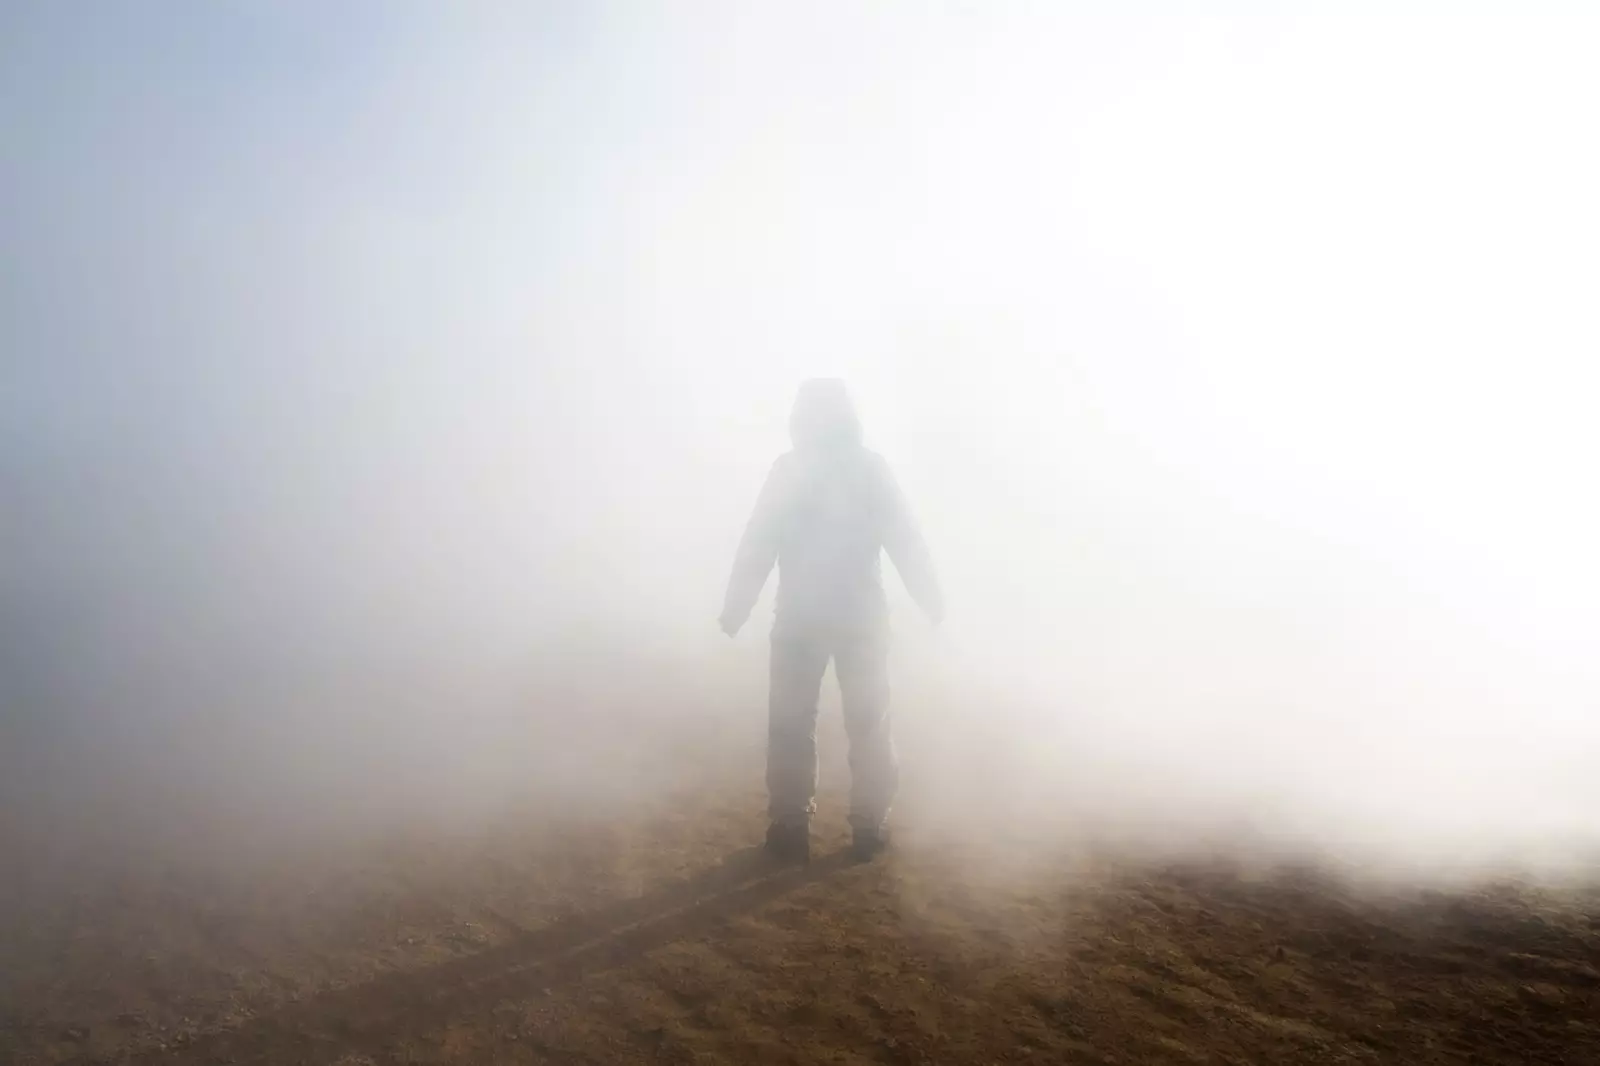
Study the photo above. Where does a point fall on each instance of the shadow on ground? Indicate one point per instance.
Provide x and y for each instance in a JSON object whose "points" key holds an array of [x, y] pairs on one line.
{"points": [[376, 1016]]}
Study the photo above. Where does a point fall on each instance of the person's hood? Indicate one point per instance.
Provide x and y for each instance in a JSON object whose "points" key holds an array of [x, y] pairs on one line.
{"points": [[824, 416]]}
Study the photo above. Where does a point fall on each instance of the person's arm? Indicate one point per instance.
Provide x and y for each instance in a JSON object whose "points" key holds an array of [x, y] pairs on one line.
{"points": [[902, 539], [758, 551]]}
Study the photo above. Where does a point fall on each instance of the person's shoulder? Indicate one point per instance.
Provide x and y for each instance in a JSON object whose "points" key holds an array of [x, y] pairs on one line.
{"points": [[873, 474], [784, 468], [873, 458], [876, 464]]}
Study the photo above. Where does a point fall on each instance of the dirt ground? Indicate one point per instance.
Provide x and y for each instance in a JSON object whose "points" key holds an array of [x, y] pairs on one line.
{"points": [[662, 936]]}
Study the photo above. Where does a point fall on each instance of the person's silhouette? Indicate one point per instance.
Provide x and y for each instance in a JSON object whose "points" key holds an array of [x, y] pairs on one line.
{"points": [[828, 510]]}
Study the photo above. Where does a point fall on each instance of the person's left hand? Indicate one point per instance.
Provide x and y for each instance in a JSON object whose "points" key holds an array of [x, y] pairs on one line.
{"points": [[728, 625]]}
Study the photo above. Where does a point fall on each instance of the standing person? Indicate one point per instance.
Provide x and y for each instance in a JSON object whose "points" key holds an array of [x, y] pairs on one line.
{"points": [[829, 508]]}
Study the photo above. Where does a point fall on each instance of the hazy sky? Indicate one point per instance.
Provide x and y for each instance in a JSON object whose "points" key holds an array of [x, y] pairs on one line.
{"points": [[1241, 368]]}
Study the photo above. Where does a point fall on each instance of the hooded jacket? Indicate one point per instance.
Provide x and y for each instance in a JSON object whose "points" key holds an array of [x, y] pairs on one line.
{"points": [[827, 512]]}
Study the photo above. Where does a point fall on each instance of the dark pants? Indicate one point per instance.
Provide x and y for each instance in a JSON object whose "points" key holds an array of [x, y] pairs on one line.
{"points": [[860, 662]]}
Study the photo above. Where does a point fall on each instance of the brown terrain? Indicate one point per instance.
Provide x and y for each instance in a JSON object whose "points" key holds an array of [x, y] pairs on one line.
{"points": [[657, 934]]}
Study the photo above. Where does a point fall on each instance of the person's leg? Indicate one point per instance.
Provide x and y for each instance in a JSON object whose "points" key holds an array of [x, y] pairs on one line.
{"points": [[798, 662], [862, 662]]}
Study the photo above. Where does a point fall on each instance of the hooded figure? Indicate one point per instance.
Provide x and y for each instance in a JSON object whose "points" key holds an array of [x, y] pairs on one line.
{"points": [[827, 512]]}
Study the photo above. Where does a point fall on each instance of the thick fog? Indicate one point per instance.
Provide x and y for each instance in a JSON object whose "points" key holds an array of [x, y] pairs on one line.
{"points": [[384, 388]]}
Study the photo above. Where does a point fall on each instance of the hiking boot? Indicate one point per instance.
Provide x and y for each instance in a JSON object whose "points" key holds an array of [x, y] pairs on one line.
{"points": [[867, 844], [789, 843]]}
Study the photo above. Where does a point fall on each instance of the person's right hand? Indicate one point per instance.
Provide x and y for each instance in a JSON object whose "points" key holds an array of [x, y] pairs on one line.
{"points": [[729, 626]]}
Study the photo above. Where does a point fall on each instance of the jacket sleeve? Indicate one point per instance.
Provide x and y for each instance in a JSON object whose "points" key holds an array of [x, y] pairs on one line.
{"points": [[758, 551], [909, 552]]}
